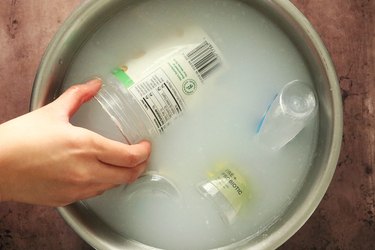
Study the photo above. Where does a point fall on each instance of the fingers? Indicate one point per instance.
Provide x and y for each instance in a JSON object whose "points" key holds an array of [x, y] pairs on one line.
{"points": [[100, 178], [120, 163], [122, 155], [70, 101], [113, 175]]}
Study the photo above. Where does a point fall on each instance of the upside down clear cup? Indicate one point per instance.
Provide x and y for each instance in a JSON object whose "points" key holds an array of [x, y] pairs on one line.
{"points": [[152, 183], [291, 110]]}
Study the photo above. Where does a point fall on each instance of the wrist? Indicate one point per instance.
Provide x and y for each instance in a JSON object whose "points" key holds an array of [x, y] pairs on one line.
{"points": [[2, 196], [3, 174]]}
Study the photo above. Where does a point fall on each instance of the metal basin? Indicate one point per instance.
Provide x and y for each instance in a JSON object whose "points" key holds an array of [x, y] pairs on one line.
{"points": [[92, 14]]}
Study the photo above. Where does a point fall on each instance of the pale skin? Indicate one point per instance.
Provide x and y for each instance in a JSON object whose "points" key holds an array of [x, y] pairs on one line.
{"points": [[45, 160]]}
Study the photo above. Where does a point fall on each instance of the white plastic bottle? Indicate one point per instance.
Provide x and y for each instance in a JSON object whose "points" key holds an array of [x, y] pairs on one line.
{"points": [[145, 95], [291, 110]]}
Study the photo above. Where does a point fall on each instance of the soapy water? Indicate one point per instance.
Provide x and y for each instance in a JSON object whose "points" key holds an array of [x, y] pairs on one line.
{"points": [[221, 126]]}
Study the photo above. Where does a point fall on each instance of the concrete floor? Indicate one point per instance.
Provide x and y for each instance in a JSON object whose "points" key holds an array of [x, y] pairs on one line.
{"points": [[345, 219]]}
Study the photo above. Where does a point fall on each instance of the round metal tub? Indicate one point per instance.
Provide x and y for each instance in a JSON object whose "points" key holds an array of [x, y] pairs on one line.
{"points": [[92, 14]]}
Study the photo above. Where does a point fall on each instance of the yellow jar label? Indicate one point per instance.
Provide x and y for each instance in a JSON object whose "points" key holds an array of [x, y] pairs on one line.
{"points": [[231, 183]]}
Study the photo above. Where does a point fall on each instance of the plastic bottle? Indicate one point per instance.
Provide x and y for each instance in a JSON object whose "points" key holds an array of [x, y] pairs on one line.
{"points": [[228, 189], [145, 95], [291, 110]]}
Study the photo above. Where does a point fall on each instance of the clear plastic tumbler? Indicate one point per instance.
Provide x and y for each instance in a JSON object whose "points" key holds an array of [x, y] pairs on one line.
{"points": [[291, 110]]}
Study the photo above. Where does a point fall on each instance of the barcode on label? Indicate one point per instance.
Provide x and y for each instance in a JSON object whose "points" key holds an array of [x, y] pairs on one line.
{"points": [[203, 58]]}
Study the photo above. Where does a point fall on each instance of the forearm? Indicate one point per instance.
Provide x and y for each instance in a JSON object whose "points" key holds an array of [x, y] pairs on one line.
{"points": [[10, 153], [3, 165]]}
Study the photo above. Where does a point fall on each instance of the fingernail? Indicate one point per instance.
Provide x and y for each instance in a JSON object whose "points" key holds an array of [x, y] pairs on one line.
{"points": [[95, 80]]}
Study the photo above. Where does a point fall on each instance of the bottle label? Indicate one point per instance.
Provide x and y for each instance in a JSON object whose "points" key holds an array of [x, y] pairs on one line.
{"points": [[164, 89], [231, 183]]}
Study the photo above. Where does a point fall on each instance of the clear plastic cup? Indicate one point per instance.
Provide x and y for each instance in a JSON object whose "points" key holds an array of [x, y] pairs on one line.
{"points": [[291, 110], [152, 183]]}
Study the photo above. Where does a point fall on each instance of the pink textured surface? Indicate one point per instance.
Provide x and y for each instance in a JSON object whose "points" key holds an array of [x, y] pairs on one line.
{"points": [[345, 219]]}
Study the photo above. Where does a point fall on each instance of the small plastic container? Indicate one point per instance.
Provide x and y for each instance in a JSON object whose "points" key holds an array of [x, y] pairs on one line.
{"points": [[291, 110], [228, 189], [152, 183], [145, 95]]}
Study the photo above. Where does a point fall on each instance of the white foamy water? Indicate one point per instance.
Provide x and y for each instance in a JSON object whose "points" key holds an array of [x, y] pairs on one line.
{"points": [[219, 126]]}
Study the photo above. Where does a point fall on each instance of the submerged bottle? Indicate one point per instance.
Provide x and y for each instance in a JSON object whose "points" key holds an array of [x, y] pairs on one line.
{"points": [[291, 110], [145, 95], [228, 188]]}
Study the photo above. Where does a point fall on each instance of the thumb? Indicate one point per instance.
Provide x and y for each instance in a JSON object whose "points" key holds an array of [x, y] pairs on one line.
{"points": [[72, 99]]}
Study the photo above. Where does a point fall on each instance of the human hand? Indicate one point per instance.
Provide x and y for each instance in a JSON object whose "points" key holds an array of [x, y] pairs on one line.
{"points": [[45, 160]]}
